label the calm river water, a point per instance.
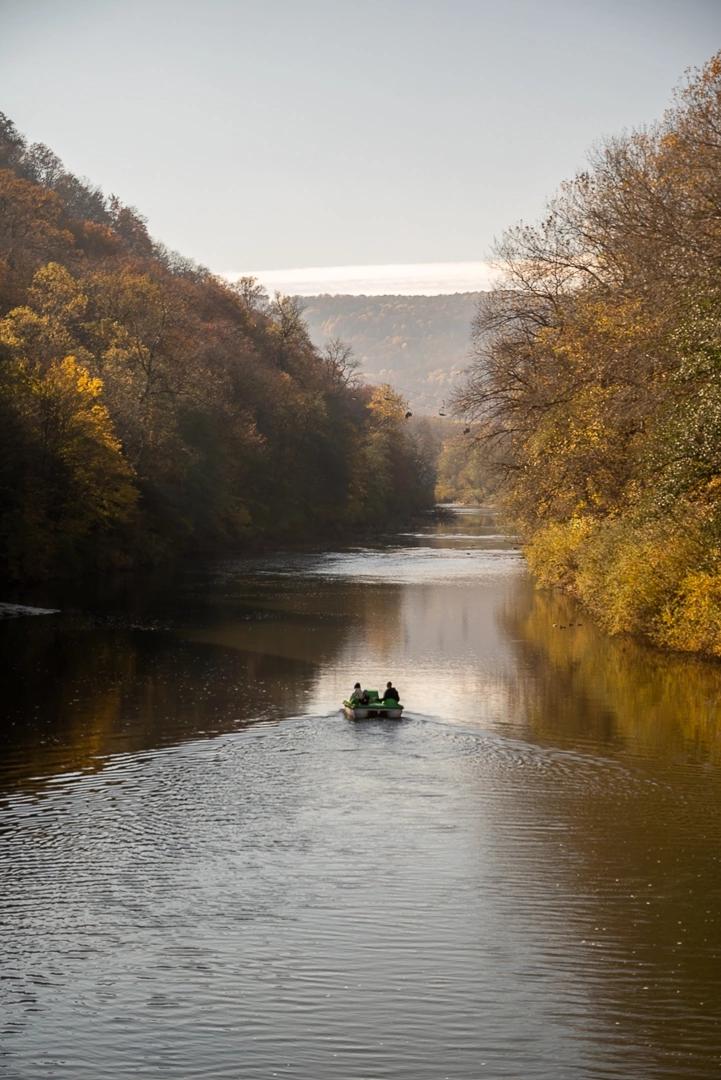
(207, 871)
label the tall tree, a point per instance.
(597, 375)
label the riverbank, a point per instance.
(133, 585)
(658, 579)
(597, 380)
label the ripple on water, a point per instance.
(419, 565)
(270, 898)
(322, 899)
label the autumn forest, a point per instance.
(149, 408)
(597, 381)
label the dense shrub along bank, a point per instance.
(597, 378)
(148, 407)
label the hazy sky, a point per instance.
(339, 132)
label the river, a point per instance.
(207, 871)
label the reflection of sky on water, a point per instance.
(426, 614)
(439, 641)
(520, 873)
(419, 565)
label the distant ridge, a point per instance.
(418, 344)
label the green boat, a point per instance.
(376, 706)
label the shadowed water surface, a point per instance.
(205, 870)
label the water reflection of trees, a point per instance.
(585, 683)
(637, 866)
(76, 691)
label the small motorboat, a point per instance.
(375, 706)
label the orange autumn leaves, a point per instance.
(149, 408)
(597, 378)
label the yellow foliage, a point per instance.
(386, 406)
(77, 485)
(692, 621)
(553, 551)
(637, 574)
(657, 579)
(68, 400)
(597, 368)
(42, 331)
(464, 471)
(55, 292)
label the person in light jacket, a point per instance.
(358, 697)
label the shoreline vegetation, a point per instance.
(151, 411)
(596, 382)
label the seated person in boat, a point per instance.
(391, 693)
(358, 697)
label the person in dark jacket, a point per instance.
(391, 693)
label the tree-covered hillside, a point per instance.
(418, 344)
(598, 378)
(148, 407)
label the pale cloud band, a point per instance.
(404, 279)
